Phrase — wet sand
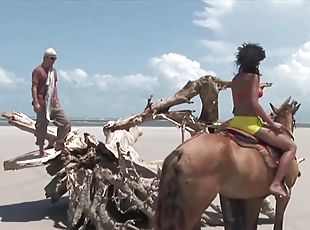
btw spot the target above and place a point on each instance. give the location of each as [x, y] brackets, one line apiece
[22, 199]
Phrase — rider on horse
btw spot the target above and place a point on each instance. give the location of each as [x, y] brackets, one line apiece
[249, 115]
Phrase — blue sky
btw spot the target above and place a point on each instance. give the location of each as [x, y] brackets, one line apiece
[113, 54]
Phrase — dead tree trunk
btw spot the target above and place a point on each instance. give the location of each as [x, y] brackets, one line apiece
[207, 87]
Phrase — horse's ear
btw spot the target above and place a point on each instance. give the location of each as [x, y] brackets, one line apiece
[287, 100]
[296, 108]
[274, 109]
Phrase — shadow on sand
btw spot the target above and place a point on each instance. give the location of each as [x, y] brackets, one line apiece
[44, 209]
[36, 211]
[218, 219]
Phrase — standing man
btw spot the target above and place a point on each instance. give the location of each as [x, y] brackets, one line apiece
[45, 102]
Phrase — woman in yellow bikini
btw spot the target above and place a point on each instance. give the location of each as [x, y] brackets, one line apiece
[250, 117]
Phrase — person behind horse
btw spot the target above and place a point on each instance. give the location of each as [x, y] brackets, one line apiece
[249, 115]
[45, 102]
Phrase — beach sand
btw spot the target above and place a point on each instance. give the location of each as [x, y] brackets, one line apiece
[22, 199]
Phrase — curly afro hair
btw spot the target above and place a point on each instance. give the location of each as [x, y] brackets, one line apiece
[249, 56]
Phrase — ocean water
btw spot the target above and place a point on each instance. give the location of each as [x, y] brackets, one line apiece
[102, 122]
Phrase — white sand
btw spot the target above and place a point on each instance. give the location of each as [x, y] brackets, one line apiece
[22, 200]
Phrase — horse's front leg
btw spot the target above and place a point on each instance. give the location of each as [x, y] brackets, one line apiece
[197, 226]
[281, 204]
[233, 211]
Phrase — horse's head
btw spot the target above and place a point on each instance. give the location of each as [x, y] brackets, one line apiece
[285, 114]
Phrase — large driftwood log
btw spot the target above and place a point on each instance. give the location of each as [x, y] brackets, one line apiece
[207, 87]
[191, 89]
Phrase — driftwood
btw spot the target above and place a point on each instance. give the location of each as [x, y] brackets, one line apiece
[190, 90]
[111, 193]
[207, 87]
[25, 123]
[109, 185]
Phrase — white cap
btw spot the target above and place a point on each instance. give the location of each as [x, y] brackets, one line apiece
[50, 52]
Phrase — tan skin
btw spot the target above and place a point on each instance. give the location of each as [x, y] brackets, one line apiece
[248, 84]
[48, 63]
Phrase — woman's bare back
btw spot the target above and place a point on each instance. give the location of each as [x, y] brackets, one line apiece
[245, 94]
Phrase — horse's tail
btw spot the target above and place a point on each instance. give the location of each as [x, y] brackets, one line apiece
[169, 211]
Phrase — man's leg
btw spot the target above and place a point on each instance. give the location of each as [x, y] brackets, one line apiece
[64, 127]
[41, 130]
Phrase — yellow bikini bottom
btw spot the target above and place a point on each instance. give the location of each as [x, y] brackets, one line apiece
[248, 124]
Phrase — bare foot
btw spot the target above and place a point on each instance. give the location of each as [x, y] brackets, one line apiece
[43, 154]
[278, 190]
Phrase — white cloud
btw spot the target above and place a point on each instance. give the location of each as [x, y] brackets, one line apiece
[210, 17]
[105, 82]
[106, 93]
[76, 76]
[219, 52]
[287, 4]
[140, 80]
[128, 93]
[274, 23]
[178, 69]
[219, 47]
[6, 79]
[172, 71]
[125, 83]
[280, 52]
[80, 79]
[296, 71]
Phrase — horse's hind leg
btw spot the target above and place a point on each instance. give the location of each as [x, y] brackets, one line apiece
[193, 216]
[198, 198]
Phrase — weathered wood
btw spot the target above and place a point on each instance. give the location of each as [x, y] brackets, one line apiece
[133, 184]
[25, 123]
[191, 89]
[74, 141]
[207, 87]
[28, 160]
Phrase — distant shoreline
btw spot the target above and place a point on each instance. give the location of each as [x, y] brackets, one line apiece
[101, 122]
[98, 123]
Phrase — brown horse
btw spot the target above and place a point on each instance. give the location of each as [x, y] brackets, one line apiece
[208, 164]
